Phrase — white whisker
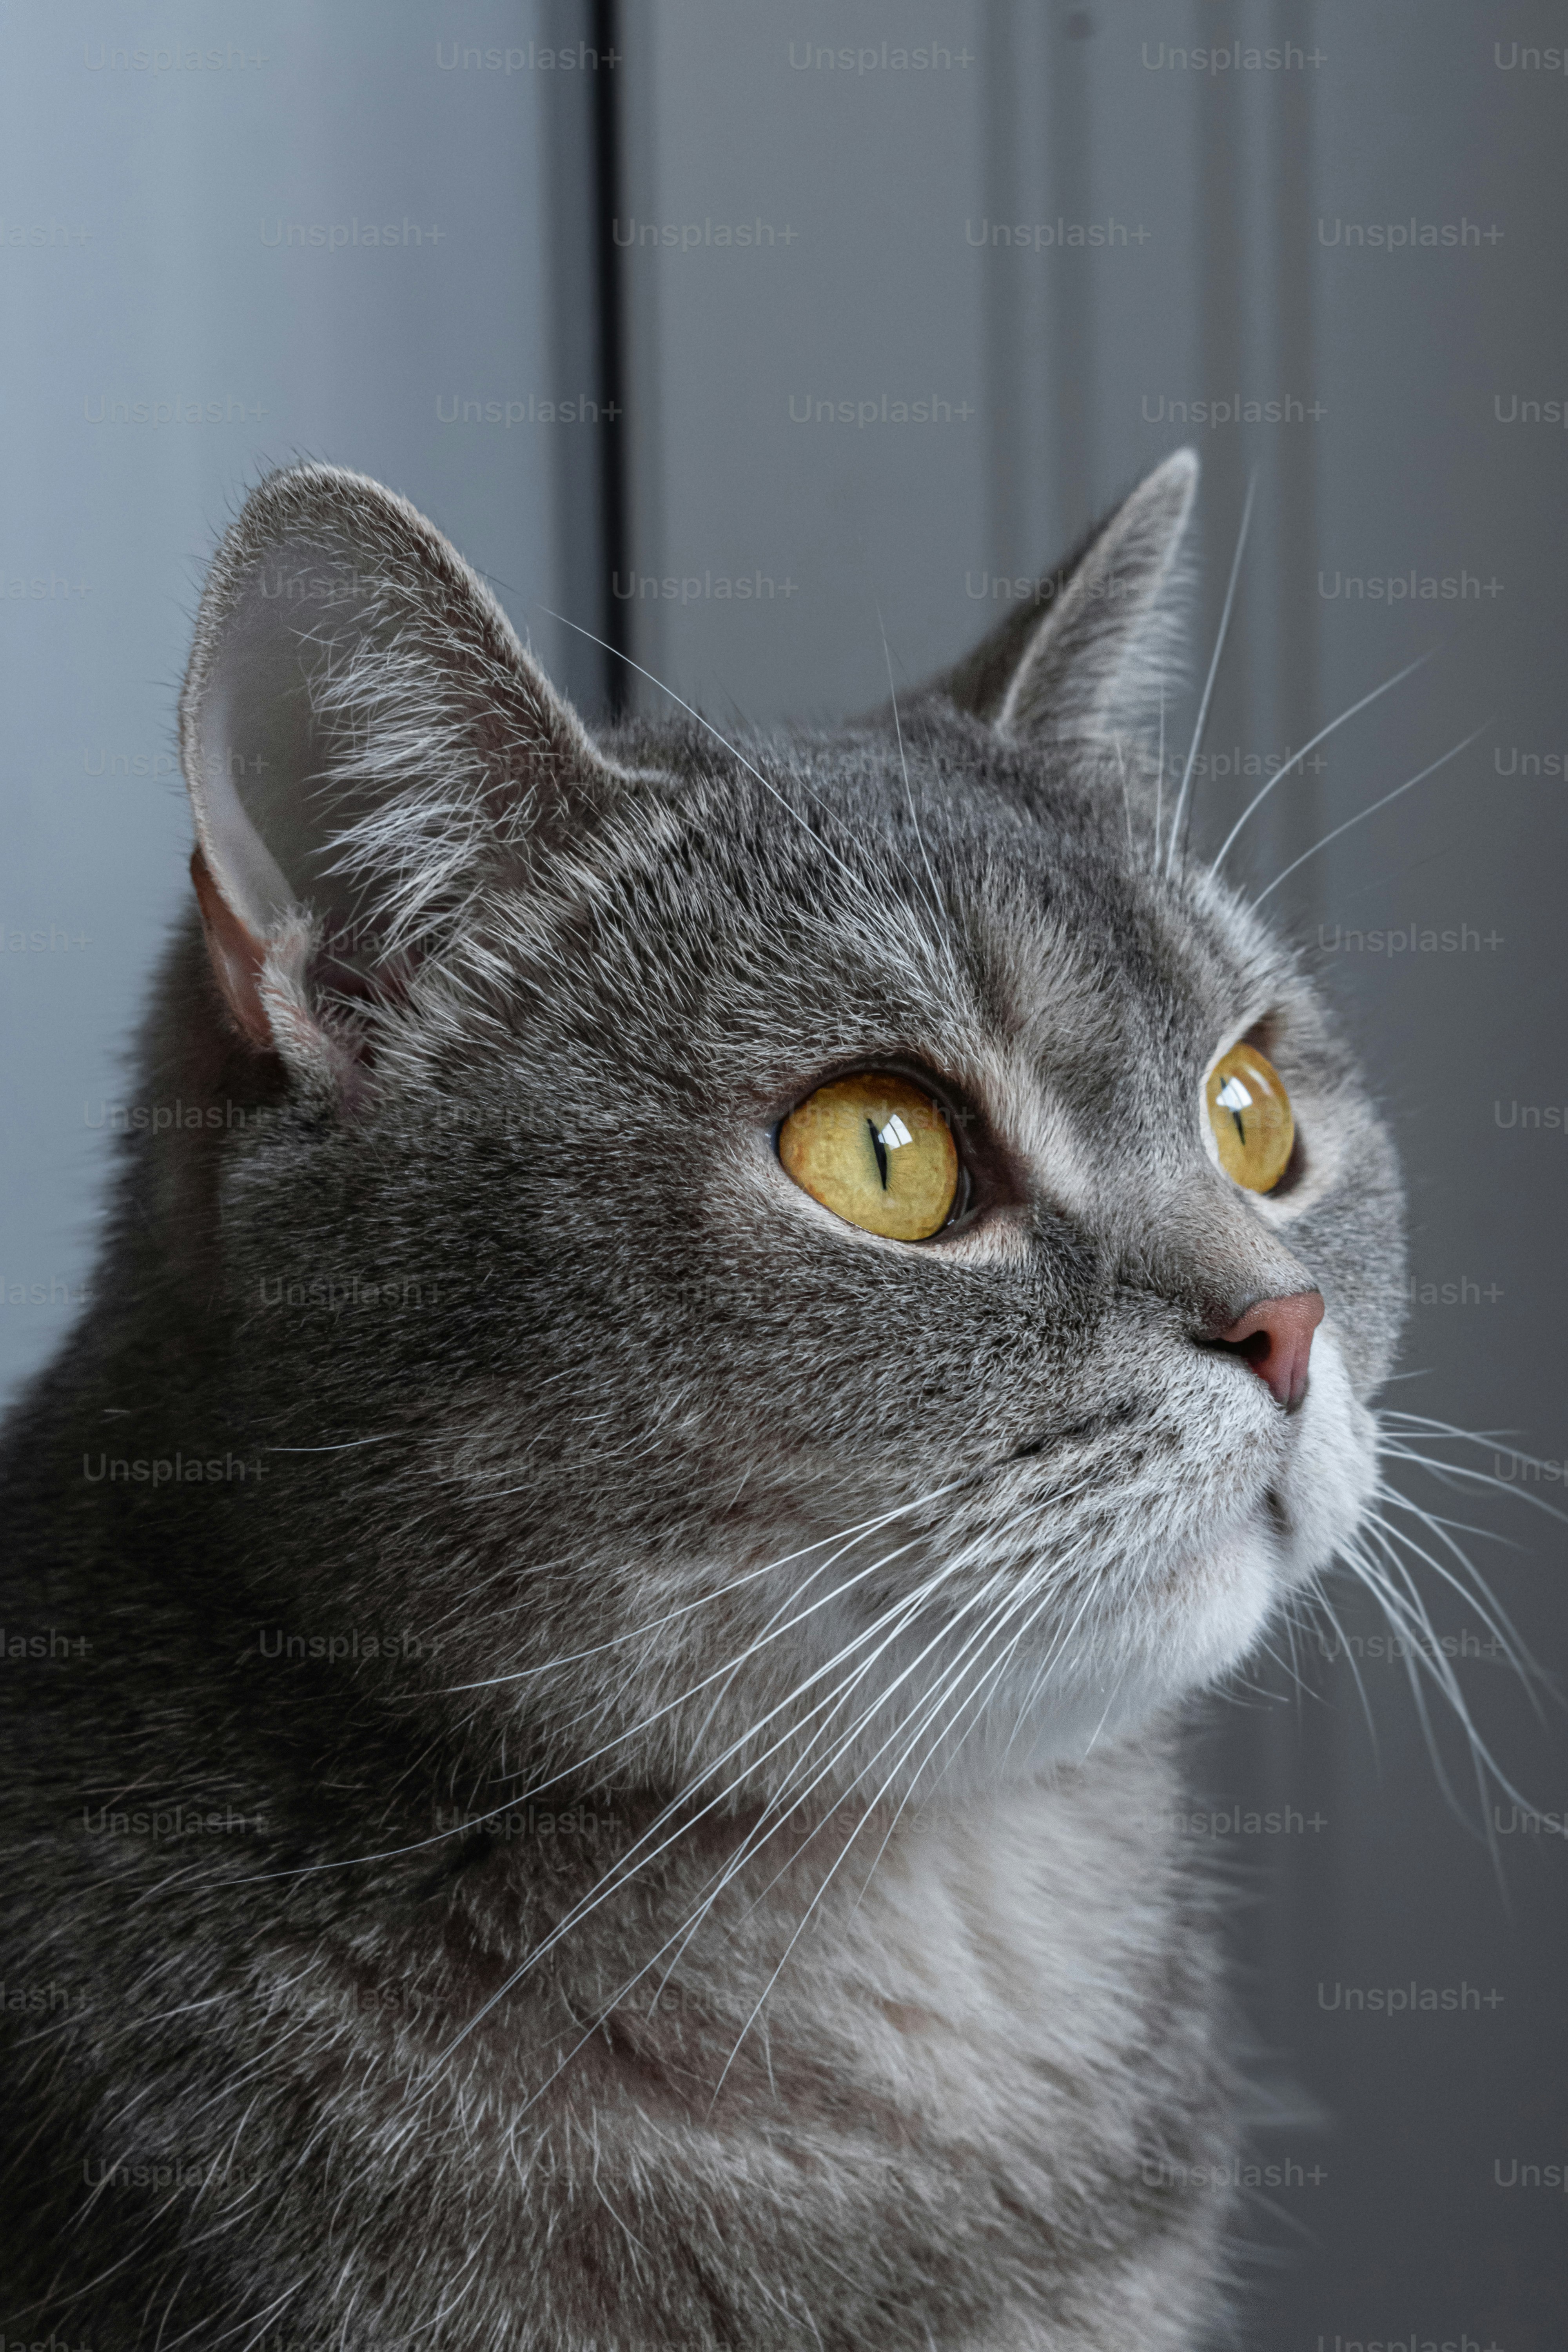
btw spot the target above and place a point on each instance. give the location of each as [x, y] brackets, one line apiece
[1347, 1653]
[857, 880]
[1408, 785]
[682, 1935]
[848, 1738]
[1158, 779]
[759, 1834]
[1460, 1469]
[1008, 1603]
[1408, 1611]
[1126, 797]
[517, 1798]
[705, 1599]
[625, 1867]
[1222, 633]
[1297, 757]
[1491, 1615]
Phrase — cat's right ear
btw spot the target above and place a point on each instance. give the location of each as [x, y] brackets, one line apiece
[1085, 659]
[367, 746]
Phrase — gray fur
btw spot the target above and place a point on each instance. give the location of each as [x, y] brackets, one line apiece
[642, 1439]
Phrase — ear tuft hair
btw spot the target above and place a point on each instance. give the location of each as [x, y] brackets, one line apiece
[366, 744]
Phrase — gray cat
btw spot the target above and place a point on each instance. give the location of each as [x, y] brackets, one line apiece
[699, 1345]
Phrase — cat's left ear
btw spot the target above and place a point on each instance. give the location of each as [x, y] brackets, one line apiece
[1086, 657]
[367, 746]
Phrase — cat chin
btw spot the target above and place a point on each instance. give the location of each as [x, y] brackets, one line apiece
[1216, 1604]
[1331, 1473]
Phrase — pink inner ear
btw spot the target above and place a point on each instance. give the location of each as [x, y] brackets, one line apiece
[237, 955]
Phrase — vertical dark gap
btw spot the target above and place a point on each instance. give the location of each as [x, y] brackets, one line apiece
[1224, 199]
[1069, 160]
[609, 293]
[1292, 144]
[1003, 361]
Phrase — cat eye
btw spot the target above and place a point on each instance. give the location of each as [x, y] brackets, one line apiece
[877, 1151]
[1249, 1112]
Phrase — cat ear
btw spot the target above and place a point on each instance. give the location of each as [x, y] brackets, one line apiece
[366, 746]
[1087, 655]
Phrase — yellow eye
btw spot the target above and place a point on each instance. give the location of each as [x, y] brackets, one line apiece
[1251, 1114]
[876, 1151]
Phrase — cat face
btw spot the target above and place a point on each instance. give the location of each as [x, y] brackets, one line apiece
[702, 1476]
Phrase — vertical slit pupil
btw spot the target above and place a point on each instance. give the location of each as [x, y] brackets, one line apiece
[881, 1148]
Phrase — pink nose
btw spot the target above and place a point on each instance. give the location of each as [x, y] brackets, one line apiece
[1276, 1338]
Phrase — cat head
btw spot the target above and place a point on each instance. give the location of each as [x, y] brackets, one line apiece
[755, 1231]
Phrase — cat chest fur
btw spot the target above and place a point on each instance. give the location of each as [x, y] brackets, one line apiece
[982, 2089]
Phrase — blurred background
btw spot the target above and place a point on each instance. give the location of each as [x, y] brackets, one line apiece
[737, 331]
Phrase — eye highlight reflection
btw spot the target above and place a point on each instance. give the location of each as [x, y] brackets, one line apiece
[877, 1152]
[1250, 1114]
